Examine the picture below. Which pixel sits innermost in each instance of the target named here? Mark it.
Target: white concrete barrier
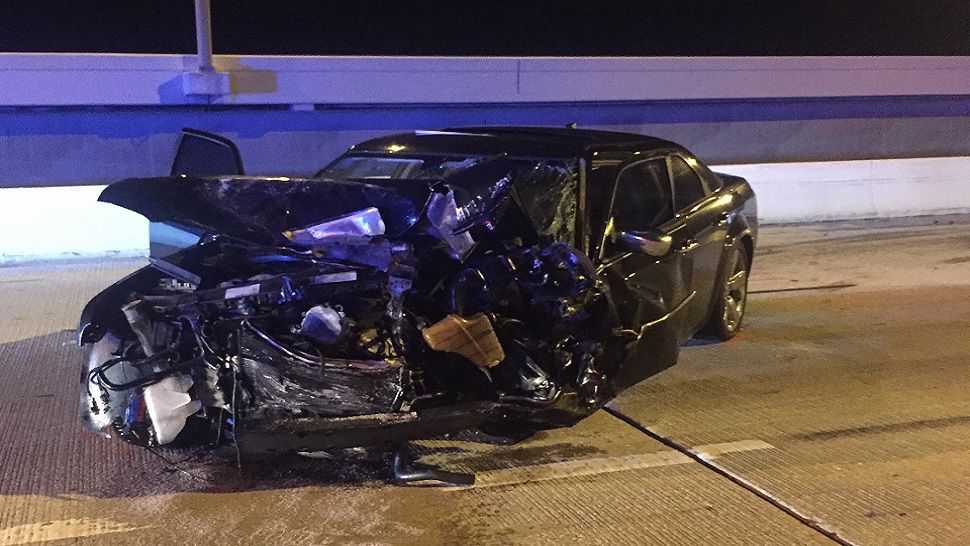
(66, 222)
(63, 222)
(844, 190)
(48, 79)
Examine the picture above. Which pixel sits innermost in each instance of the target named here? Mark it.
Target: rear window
(688, 187)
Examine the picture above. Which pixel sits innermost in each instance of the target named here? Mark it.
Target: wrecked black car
(421, 284)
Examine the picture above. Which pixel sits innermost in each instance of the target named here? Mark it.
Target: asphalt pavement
(839, 415)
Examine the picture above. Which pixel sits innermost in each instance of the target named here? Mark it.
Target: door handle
(688, 245)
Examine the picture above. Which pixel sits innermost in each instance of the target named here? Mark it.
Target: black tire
(732, 294)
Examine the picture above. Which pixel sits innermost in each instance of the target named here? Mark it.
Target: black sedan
(421, 283)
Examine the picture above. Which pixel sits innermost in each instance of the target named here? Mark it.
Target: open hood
(260, 209)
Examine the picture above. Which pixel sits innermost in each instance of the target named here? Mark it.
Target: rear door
(705, 227)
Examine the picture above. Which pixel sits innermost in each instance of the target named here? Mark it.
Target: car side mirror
(651, 243)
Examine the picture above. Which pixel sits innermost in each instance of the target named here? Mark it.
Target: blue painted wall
(68, 146)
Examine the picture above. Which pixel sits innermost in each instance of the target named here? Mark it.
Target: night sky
(531, 28)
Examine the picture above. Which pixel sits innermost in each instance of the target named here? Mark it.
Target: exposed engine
(348, 326)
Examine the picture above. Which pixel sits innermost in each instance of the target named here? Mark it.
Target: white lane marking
(605, 465)
(577, 468)
(31, 533)
(818, 525)
(715, 450)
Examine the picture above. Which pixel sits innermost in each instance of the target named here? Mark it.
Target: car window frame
(708, 192)
(670, 183)
(616, 182)
(712, 182)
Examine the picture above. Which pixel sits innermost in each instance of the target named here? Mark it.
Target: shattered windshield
(374, 167)
(549, 194)
(547, 187)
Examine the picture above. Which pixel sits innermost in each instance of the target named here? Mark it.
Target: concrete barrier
(844, 190)
(50, 79)
(74, 119)
(64, 222)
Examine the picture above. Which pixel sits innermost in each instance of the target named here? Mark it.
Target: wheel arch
(103, 313)
(747, 243)
(739, 233)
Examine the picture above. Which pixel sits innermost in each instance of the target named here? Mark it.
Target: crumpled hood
(260, 209)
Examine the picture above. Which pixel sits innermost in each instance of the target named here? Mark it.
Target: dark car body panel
(261, 209)
(645, 307)
(514, 141)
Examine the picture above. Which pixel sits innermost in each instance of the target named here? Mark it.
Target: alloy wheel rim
(735, 294)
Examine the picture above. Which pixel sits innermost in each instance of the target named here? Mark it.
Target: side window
(688, 188)
(714, 181)
(642, 199)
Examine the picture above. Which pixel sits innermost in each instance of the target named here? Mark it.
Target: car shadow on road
(701, 340)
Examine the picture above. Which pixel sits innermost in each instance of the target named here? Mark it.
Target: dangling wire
(175, 465)
(235, 431)
(313, 360)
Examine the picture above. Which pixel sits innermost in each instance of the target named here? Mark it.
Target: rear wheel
(732, 295)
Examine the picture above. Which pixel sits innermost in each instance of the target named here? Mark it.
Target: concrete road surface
(840, 415)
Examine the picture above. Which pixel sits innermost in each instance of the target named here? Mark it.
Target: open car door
(204, 154)
(198, 154)
(647, 273)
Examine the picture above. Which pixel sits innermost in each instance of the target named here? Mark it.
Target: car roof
(513, 140)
